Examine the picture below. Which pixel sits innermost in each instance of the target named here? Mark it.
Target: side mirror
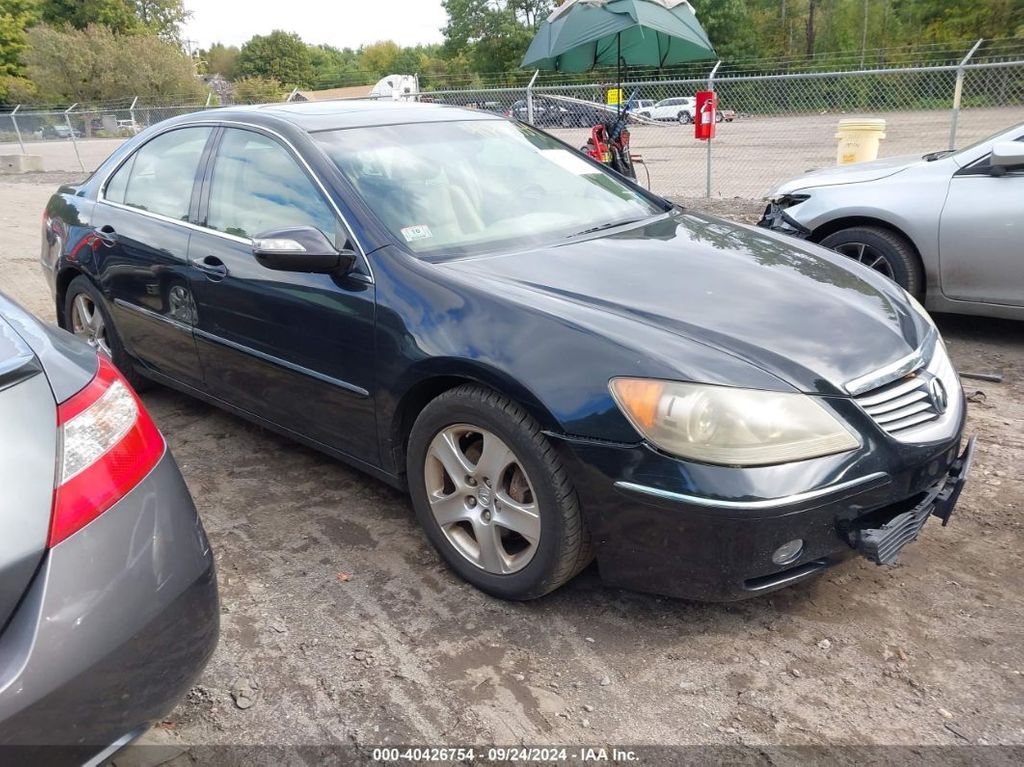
(1007, 155)
(301, 249)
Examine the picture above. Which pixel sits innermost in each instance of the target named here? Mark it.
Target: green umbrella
(583, 34)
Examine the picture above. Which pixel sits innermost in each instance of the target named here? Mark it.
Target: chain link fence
(773, 126)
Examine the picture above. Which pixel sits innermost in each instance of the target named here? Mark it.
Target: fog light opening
(788, 553)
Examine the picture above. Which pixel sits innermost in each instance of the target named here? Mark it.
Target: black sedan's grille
(902, 404)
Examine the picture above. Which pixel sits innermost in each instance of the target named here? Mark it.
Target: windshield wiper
(933, 156)
(603, 227)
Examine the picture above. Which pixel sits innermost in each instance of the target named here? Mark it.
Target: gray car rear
(102, 633)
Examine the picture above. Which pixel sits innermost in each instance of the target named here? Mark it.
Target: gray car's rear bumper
(117, 624)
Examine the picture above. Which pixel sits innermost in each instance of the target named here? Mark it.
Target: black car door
(292, 348)
(141, 221)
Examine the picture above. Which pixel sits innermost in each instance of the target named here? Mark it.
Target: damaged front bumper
(709, 533)
(881, 541)
(776, 218)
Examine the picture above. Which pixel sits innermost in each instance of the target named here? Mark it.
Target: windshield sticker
(569, 162)
(419, 232)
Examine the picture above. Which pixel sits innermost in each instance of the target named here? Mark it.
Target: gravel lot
(341, 626)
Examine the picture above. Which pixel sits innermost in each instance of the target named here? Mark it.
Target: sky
(341, 23)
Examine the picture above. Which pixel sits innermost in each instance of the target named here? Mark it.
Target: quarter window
(160, 176)
(258, 186)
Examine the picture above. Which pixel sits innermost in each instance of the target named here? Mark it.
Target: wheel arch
(849, 222)
(438, 378)
(64, 278)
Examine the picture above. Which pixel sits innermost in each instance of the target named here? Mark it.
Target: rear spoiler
(69, 362)
(17, 360)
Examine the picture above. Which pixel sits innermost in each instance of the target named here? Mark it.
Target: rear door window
(160, 176)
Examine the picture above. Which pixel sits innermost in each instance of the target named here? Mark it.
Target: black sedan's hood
(810, 317)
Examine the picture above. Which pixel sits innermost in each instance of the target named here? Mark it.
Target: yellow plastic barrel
(859, 139)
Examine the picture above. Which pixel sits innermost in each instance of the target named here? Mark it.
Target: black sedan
(557, 364)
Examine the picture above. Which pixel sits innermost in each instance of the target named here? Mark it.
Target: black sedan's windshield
(470, 186)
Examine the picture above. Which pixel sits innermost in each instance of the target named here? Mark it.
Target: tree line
(58, 51)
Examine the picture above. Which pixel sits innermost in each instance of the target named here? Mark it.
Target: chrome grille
(902, 404)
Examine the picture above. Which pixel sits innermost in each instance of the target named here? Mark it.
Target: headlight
(727, 426)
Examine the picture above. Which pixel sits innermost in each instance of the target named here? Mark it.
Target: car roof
(356, 113)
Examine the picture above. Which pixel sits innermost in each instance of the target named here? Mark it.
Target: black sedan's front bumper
(651, 538)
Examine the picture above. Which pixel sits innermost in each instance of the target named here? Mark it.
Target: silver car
(948, 226)
(108, 595)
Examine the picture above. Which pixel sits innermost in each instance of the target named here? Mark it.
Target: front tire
(684, 118)
(493, 496)
(86, 316)
(883, 250)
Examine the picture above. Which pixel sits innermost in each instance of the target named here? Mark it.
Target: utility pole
(812, 6)
(782, 28)
(864, 39)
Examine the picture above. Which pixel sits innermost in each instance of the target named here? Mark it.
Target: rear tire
(685, 119)
(83, 298)
(461, 514)
(884, 251)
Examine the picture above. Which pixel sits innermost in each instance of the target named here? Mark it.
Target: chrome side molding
(772, 503)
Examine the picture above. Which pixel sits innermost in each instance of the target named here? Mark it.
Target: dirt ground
(340, 625)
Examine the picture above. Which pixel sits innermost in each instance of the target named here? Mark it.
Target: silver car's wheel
(482, 499)
(867, 255)
(87, 322)
(887, 252)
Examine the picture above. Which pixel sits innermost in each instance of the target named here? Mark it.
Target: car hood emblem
(940, 399)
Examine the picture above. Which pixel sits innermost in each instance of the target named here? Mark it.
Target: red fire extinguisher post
(707, 103)
(704, 125)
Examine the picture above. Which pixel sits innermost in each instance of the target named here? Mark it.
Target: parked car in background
(945, 226)
(108, 595)
(128, 127)
(681, 109)
(495, 107)
(555, 363)
(58, 131)
(561, 114)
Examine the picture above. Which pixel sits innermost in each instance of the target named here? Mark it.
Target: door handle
(213, 268)
(106, 235)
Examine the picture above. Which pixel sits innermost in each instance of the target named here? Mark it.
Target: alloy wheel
(867, 255)
(87, 322)
(482, 499)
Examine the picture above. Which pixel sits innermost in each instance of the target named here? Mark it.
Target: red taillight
(108, 444)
